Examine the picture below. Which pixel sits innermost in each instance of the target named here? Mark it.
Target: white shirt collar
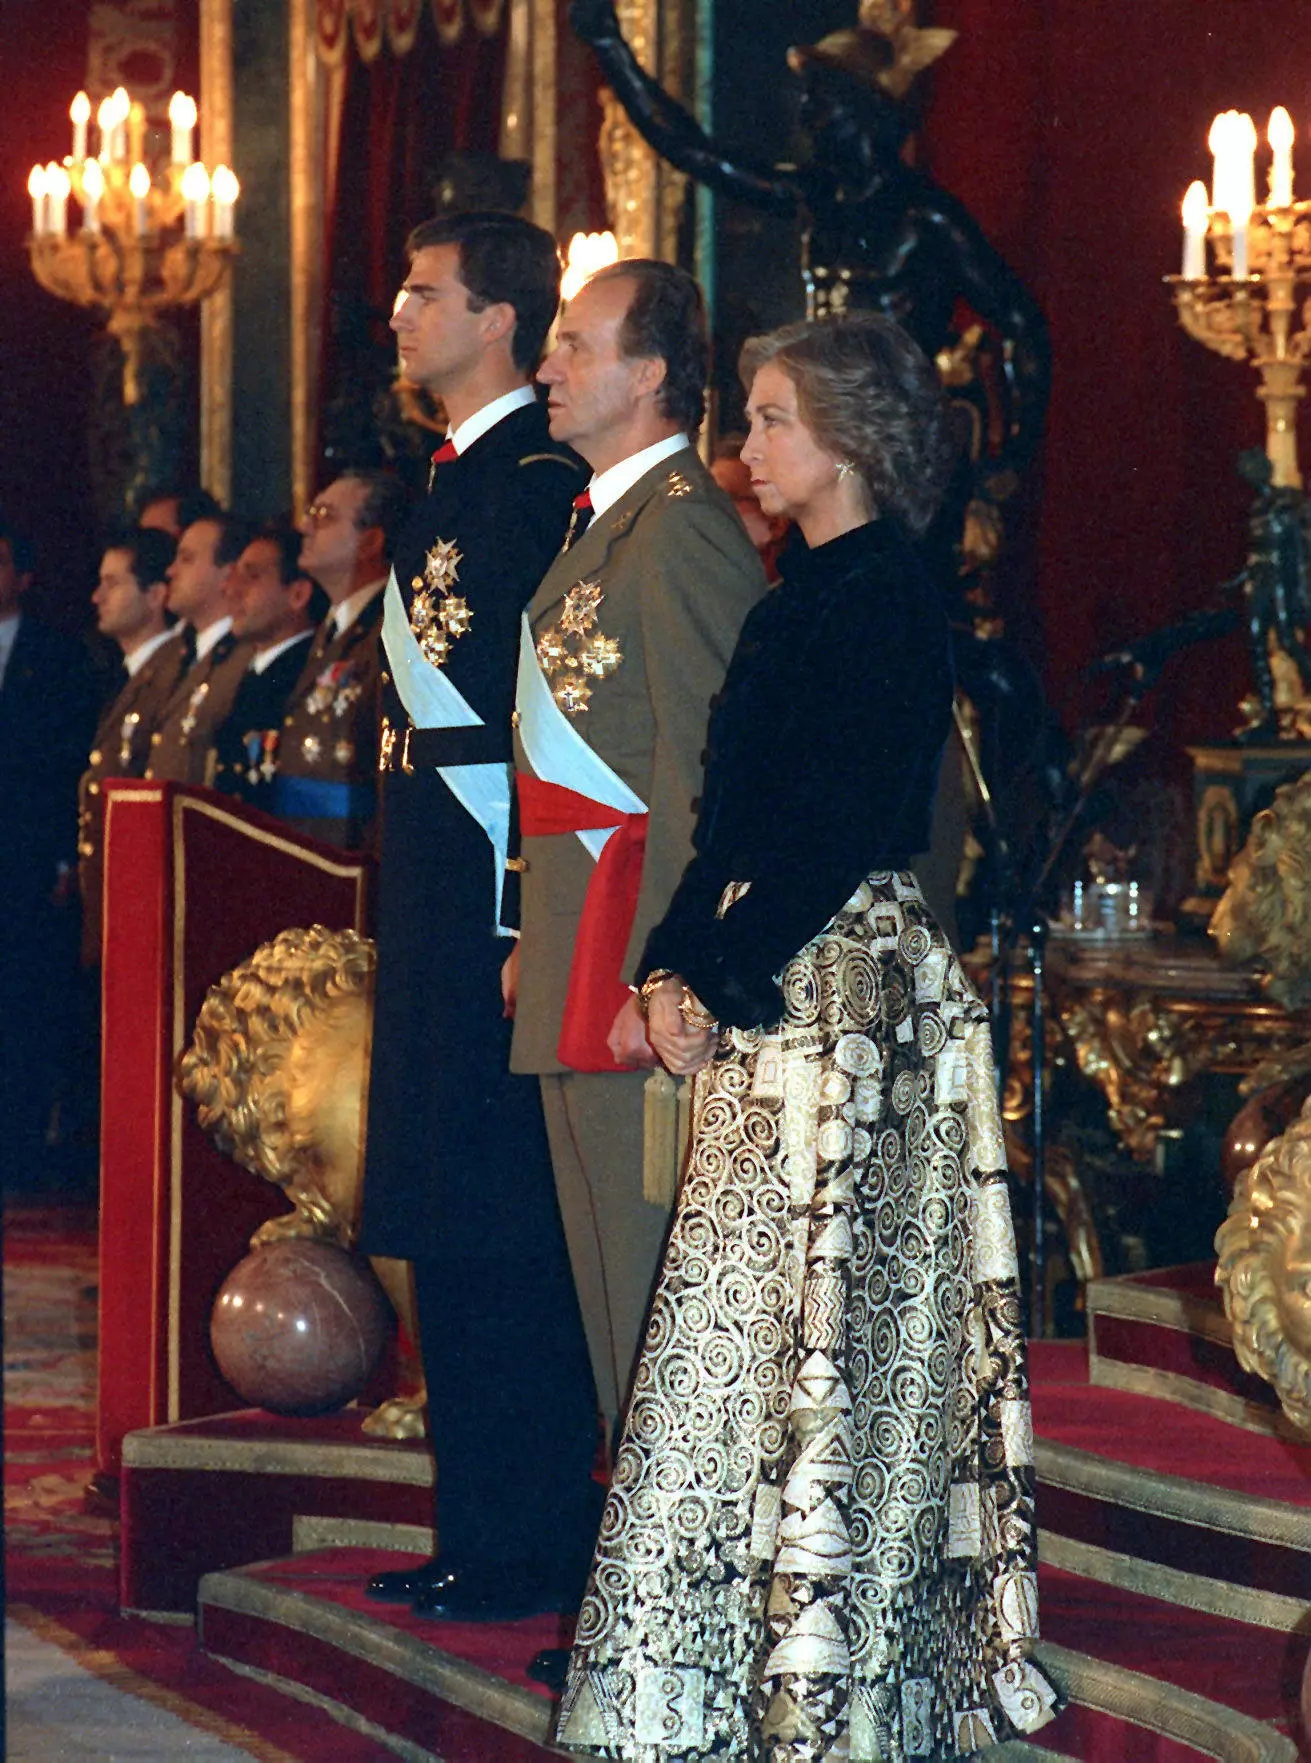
(8, 633)
(474, 427)
(140, 655)
(344, 614)
(212, 634)
(266, 657)
(608, 486)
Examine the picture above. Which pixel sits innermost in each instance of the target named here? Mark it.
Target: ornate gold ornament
(886, 49)
(1265, 913)
(278, 1072)
(1264, 1249)
(575, 651)
(438, 616)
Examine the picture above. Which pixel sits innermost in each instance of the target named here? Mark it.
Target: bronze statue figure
(876, 232)
(1276, 583)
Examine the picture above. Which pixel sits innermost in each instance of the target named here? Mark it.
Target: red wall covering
(1072, 132)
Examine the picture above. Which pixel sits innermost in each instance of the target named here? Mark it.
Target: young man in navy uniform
(458, 1171)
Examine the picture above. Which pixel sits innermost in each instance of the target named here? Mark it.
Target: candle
(105, 123)
(93, 188)
(36, 189)
(80, 114)
(1220, 142)
(1242, 196)
(195, 194)
(182, 118)
(122, 110)
(1195, 218)
(226, 190)
(58, 184)
(139, 184)
(1280, 136)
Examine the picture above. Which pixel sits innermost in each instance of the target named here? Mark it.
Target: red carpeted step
(456, 1693)
(459, 1692)
(231, 1488)
(1165, 1334)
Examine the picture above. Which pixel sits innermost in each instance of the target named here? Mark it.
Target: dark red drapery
(1071, 132)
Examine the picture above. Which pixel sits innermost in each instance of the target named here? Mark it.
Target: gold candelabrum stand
(1255, 307)
(149, 241)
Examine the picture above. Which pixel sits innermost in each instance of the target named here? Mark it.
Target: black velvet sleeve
(842, 784)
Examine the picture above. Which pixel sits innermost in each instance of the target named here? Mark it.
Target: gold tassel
(660, 1140)
(684, 1122)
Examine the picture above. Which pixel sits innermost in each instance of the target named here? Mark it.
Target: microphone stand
(1022, 915)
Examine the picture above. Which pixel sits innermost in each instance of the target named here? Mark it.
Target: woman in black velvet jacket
(819, 1539)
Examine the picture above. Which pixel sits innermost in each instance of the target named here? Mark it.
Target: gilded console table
(1147, 1016)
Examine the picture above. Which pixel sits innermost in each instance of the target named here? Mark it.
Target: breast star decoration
(437, 614)
(573, 653)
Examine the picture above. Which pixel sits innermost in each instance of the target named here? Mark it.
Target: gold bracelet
(694, 1012)
(652, 983)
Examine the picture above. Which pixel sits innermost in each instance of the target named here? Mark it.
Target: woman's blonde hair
(870, 395)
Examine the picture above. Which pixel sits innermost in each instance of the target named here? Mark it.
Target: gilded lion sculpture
(278, 1070)
(1265, 913)
(1264, 1268)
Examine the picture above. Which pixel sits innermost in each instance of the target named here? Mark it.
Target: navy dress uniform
(243, 758)
(458, 1170)
(326, 784)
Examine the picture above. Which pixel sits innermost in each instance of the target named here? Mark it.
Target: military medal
(187, 726)
(438, 616)
(126, 731)
(573, 653)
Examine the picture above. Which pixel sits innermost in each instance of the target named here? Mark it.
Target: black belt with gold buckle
(426, 749)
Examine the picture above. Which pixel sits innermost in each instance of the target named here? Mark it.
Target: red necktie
(445, 453)
(578, 520)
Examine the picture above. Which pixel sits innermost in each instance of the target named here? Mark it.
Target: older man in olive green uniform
(625, 642)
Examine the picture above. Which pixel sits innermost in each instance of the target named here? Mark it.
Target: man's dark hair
(386, 503)
(283, 534)
(231, 536)
(666, 320)
(502, 258)
(21, 548)
(150, 550)
(193, 503)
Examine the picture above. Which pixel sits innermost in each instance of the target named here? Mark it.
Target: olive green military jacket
(677, 575)
(121, 749)
(202, 698)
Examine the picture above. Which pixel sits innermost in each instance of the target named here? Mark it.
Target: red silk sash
(596, 989)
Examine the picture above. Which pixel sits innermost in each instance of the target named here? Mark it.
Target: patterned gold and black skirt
(819, 1543)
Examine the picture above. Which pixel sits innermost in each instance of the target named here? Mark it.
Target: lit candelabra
(148, 239)
(1248, 309)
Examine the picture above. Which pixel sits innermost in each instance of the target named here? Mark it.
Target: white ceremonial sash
(557, 752)
(431, 701)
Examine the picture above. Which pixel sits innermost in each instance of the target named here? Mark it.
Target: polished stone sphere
(298, 1327)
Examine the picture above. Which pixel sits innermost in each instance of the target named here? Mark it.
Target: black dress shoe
(489, 1594)
(402, 1585)
(551, 1667)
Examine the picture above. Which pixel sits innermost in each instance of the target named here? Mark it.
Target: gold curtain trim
(395, 24)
